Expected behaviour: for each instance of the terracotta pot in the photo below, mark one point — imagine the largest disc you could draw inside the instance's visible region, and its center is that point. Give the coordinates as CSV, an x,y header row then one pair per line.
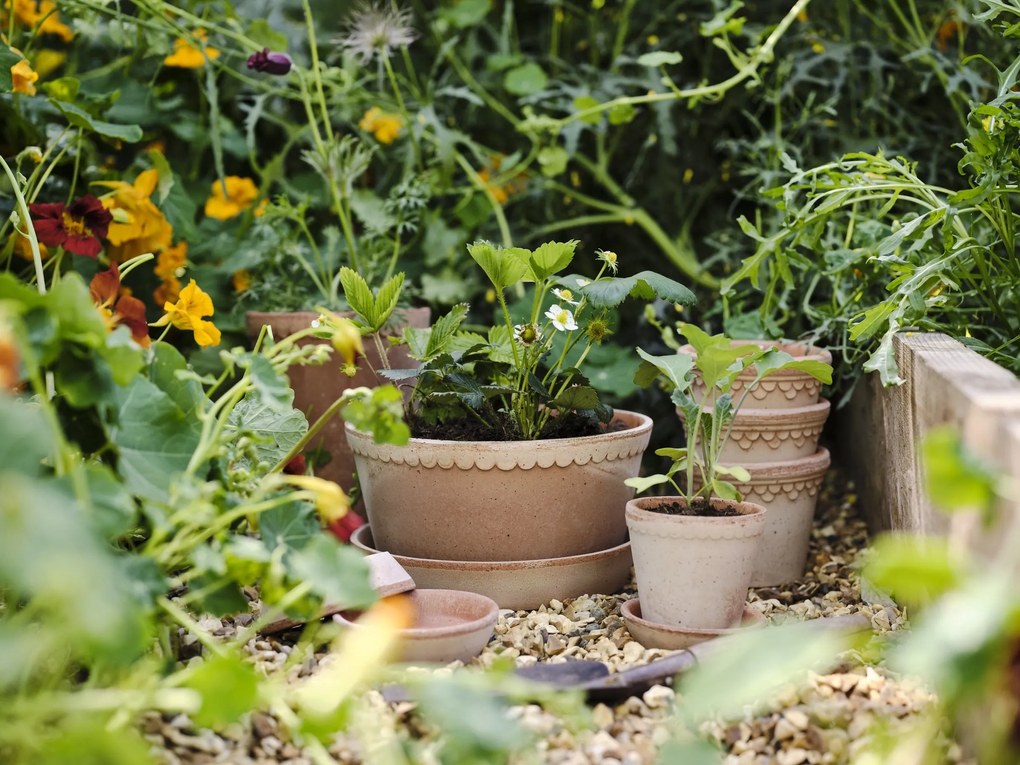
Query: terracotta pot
x,y
783,389
317,387
500,500
790,492
693,572
774,435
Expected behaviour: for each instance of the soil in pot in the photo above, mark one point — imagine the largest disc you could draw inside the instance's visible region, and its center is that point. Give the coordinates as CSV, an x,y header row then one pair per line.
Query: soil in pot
x,y
505,429
699,507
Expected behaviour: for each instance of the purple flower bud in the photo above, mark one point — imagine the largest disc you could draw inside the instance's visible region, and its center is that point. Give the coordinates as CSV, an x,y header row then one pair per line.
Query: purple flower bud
x,y
271,63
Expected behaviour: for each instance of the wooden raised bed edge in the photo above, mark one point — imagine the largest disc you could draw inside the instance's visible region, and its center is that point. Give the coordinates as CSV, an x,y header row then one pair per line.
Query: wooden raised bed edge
x,y
881,429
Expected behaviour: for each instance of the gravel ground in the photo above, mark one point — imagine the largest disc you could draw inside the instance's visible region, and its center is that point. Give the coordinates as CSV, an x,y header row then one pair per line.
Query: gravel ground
x,y
826,719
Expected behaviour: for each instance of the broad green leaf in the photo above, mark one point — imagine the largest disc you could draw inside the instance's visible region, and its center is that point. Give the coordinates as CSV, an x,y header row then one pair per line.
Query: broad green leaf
x,y
914,570
83,377
90,740
609,292
466,13
471,715
502,268
381,414
276,430
953,478
673,453
112,511
660,58
70,301
551,258
62,88
271,387
82,119
123,355
292,526
621,114
676,367
164,364
155,440
773,360
577,397
724,489
27,439
262,33
336,573
525,80
228,687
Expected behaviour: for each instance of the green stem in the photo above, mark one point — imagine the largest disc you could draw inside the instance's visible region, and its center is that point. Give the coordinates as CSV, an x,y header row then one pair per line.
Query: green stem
x,y
26,216
316,73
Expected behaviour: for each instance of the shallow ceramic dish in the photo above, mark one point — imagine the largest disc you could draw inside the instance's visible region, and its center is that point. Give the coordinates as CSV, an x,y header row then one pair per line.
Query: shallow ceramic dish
x,y
674,638
449,625
523,584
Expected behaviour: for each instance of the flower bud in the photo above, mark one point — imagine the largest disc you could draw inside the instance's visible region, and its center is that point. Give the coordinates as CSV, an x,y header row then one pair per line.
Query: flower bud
x,y
347,341
270,62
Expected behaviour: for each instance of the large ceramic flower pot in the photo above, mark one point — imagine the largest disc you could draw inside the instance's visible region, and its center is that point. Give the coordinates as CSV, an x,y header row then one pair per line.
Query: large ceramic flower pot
x,y
790,492
786,388
317,387
501,500
774,435
694,571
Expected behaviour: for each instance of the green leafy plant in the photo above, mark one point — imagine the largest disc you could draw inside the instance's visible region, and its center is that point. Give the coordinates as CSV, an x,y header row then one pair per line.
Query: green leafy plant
x,y
702,384
515,377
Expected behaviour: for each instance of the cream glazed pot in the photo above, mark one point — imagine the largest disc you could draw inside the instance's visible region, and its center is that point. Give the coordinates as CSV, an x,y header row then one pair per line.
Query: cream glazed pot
x,y
694,571
501,500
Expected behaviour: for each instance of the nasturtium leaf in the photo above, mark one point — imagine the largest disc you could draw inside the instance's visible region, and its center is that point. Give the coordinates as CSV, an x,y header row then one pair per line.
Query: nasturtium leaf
x,y
660,58
275,430
338,574
164,364
155,440
271,388
553,160
83,377
28,440
291,526
228,686
472,716
88,740
583,103
525,80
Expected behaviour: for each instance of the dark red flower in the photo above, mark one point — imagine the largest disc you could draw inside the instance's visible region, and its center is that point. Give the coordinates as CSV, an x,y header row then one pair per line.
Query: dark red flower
x,y
342,528
297,465
77,227
269,62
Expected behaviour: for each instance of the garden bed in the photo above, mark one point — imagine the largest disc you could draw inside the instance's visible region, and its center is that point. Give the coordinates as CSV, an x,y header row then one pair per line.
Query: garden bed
x,y
826,719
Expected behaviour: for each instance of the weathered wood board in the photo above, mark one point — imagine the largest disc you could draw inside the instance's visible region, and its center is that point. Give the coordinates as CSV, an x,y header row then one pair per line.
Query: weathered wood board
x,y
881,429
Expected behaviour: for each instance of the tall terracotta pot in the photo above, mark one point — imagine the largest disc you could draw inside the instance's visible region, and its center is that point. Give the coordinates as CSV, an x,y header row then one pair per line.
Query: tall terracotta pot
x,y
317,387
501,500
694,571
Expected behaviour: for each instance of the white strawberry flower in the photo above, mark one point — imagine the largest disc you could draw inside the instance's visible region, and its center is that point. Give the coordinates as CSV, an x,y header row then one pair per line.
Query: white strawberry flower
x,y
561,318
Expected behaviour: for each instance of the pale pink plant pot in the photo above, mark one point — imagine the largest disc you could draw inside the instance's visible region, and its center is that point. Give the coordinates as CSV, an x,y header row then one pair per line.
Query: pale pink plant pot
x,y
501,500
694,572
774,435
787,388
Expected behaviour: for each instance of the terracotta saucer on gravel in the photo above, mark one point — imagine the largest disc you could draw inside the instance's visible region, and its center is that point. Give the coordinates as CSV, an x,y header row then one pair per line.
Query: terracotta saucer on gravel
x,y
518,584
449,625
674,638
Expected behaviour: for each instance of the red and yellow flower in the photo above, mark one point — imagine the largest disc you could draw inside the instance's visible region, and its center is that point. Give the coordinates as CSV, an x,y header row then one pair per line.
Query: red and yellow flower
x,y
77,227
117,307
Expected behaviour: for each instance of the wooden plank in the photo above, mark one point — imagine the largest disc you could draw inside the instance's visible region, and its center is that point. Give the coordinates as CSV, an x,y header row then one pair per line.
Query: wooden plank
x,y
881,431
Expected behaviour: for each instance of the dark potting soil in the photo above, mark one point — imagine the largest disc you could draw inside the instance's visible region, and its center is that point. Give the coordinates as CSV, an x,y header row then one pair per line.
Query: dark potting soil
x,y
699,507
470,429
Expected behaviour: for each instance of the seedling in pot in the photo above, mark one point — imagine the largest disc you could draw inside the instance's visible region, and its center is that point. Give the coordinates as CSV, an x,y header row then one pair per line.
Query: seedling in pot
x,y
717,362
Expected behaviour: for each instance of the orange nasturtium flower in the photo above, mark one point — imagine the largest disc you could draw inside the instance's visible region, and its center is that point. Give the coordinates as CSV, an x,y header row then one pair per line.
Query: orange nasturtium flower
x,y
30,13
118,308
138,225
24,78
384,126
188,313
241,281
187,56
240,194
169,266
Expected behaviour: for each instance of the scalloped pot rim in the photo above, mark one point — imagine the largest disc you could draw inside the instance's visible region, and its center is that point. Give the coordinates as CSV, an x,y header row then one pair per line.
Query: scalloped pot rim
x,y
512,455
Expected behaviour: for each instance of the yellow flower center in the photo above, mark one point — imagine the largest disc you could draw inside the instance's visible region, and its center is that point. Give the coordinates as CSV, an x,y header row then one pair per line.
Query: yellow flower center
x,y
75,226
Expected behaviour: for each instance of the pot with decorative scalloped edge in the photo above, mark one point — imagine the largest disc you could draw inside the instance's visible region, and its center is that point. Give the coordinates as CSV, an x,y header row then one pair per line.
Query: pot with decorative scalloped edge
x,y
693,571
317,387
790,492
785,388
501,500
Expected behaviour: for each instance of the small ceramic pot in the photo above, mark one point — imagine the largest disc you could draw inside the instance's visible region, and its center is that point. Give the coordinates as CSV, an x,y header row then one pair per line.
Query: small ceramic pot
x,y
787,388
449,625
501,500
692,571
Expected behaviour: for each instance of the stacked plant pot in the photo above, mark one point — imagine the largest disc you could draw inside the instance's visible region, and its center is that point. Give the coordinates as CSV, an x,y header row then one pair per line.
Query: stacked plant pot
x,y
775,437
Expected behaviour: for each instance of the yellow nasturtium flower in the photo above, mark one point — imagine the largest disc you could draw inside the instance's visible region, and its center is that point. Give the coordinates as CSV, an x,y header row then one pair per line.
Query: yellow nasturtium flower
x,y
187,56
240,194
384,126
330,501
188,313
347,342
24,78
138,225
29,14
